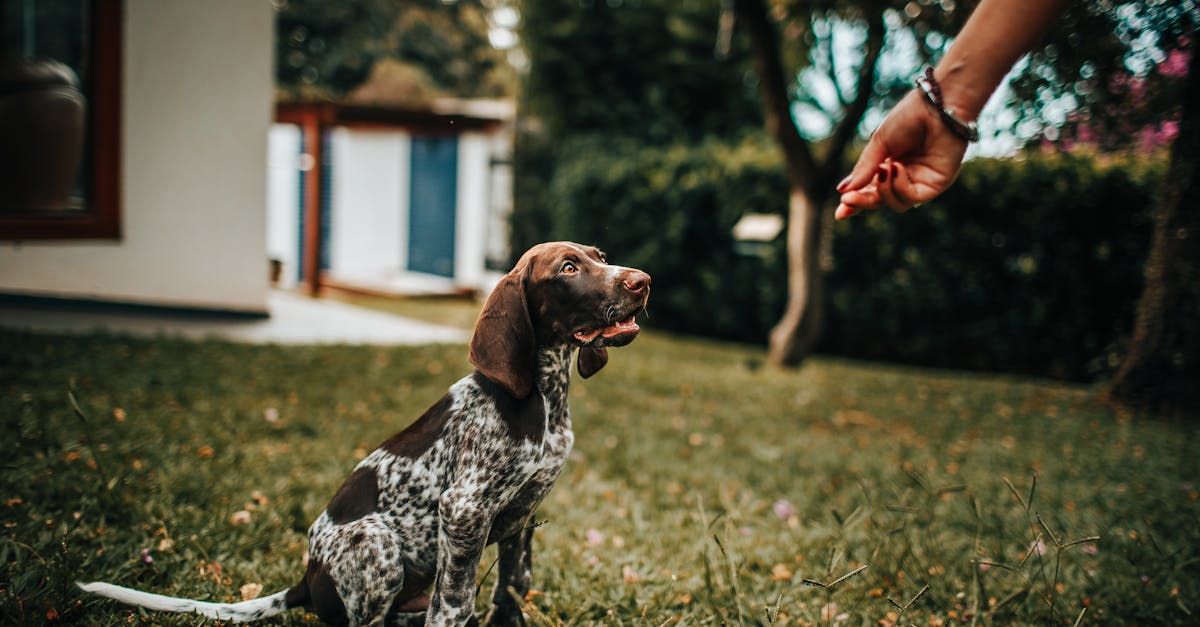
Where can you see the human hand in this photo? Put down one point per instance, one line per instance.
(911, 159)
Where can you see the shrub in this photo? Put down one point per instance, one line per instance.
(1026, 265)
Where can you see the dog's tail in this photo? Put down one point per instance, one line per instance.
(236, 612)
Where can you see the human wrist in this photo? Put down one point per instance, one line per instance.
(930, 90)
(961, 95)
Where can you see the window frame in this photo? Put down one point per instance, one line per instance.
(102, 217)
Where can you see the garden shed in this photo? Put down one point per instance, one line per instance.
(391, 198)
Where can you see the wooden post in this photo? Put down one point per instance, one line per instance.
(311, 129)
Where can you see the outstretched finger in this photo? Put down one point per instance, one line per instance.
(844, 211)
(858, 200)
(866, 167)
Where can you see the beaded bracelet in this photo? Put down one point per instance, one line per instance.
(932, 91)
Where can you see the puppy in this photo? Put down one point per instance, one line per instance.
(418, 511)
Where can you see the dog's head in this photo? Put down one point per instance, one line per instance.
(558, 293)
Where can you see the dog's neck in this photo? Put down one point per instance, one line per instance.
(554, 379)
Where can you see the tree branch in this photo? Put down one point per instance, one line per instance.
(848, 125)
(827, 44)
(772, 89)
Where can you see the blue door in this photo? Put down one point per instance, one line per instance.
(432, 202)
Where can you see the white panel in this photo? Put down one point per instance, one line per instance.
(283, 200)
(473, 166)
(365, 228)
(196, 109)
(404, 187)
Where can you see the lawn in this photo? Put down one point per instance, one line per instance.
(704, 488)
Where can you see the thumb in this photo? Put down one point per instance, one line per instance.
(868, 162)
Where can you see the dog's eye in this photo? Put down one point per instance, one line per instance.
(568, 267)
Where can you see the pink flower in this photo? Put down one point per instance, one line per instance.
(146, 559)
(1039, 547)
(1176, 64)
(594, 537)
(784, 510)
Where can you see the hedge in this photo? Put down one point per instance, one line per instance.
(1029, 265)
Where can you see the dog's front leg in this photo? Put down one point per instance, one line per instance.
(462, 533)
(516, 557)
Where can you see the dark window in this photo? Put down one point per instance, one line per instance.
(60, 101)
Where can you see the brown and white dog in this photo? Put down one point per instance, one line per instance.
(419, 510)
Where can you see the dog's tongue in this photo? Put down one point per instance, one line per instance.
(625, 326)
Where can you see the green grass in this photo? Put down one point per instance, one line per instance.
(455, 311)
(704, 488)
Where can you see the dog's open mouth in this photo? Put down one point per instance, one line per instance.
(625, 327)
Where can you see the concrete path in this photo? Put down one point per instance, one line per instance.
(294, 320)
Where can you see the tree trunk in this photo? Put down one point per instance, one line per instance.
(810, 182)
(1161, 370)
(794, 336)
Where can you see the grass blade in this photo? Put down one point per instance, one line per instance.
(849, 575)
(1017, 495)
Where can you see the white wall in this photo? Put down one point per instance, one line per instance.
(196, 108)
(474, 157)
(369, 222)
(283, 201)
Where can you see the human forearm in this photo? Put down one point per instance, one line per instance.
(994, 37)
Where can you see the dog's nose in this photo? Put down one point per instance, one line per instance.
(636, 281)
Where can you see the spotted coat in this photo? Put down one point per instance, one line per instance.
(489, 468)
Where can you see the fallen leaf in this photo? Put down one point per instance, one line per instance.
(779, 572)
(628, 574)
(251, 591)
(119, 414)
(205, 452)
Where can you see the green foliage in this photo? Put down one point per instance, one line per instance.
(702, 490)
(329, 48)
(1030, 265)
(1119, 67)
(1027, 265)
(646, 69)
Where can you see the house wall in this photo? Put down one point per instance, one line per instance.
(196, 108)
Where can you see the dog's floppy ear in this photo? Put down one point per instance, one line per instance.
(591, 360)
(502, 347)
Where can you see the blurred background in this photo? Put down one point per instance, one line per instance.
(418, 147)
